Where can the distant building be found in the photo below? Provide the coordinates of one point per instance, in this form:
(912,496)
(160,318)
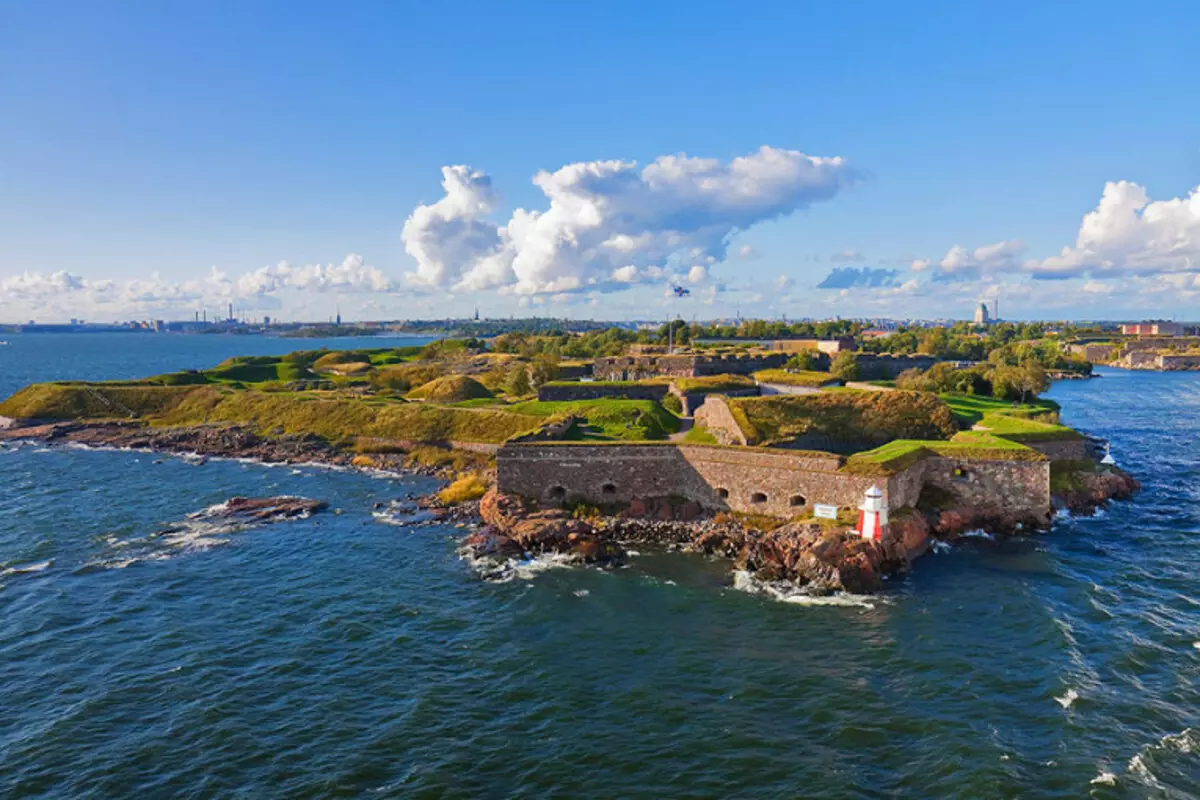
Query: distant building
(982,317)
(1156,329)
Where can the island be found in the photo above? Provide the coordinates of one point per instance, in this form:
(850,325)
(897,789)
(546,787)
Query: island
(771,454)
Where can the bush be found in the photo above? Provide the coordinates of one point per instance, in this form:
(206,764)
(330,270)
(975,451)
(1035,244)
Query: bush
(464,489)
(673,404)
(845,366)
(518,381)
(804,361)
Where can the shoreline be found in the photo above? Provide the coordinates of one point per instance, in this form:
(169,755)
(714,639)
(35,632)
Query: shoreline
(815,558)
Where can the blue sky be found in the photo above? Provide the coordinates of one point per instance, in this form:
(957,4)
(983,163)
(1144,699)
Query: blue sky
(142,144)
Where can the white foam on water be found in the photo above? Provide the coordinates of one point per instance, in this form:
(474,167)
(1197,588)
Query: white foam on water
(1067,699)
(939,547)
(581,592)
(495,570)
(1196,645)
(1104,779)
(978,533)
(31,568)
(788,592)
(1184,742)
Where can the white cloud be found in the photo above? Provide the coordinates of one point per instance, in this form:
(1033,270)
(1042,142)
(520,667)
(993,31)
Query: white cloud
(604,216)
(697,274)
(1127,233)
(65,294)
(959,263)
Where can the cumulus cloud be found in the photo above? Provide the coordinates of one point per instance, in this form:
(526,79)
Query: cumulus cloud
(351,275)
(961,264)
(62,291)
(605,217)
(859,277)
(1128,233)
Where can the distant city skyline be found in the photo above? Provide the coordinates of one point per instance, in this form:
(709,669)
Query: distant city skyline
(859,160)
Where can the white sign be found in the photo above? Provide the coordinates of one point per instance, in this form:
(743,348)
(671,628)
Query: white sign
(824,511)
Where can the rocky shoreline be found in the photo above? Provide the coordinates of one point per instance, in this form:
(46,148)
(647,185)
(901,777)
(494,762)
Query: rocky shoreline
(821,557)
(216,441)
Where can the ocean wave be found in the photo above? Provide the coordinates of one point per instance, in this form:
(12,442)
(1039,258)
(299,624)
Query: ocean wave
(1154,762)
(31,568)
(1067,699)
(788,592)
(506,570)
(1105,778)
(938,546)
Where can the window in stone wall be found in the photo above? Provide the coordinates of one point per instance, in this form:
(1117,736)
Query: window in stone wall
(723,494)
(797,500)
(558,494)
(758,497)
(608,489)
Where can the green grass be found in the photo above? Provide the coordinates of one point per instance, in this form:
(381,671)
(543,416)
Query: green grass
(630,420)
(714,383)
(451,389)
(845,418)
(899,455)
(698,434)
(970,408)
(809,378)
(1019,429)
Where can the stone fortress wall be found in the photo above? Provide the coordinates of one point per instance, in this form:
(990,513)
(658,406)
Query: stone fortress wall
(753,480)
(639,367)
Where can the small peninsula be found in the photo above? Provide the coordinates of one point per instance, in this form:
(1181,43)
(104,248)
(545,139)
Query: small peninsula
(768,453)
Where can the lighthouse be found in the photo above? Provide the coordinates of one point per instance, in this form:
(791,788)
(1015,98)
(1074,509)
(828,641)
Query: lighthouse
(872,515)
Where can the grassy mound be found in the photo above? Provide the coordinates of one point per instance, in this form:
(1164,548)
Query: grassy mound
(59,401)
(809,378)
(899,455)
(340,419)
(845,419)
(451,389)
(1019,429)
(970,408)
(714,383)
(607,419)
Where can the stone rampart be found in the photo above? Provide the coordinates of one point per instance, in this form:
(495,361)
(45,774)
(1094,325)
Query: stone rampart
(883,366)
(754,480)
(718,478)
(639,367)
(595,390)
(714,414)
(1062,449)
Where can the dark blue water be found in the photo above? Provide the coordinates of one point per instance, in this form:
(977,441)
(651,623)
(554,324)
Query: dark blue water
(342,657)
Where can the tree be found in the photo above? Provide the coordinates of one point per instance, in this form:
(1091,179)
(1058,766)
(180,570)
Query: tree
(803,360)
(1033,380)
(518,381)
(545,369)
(845,366)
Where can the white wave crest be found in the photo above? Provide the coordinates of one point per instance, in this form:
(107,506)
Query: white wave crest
(497,570)
(1067,699)
(788,592)
(1104,779)
(939,547)
(27,569)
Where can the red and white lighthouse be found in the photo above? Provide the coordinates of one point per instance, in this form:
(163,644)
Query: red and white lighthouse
(872,515)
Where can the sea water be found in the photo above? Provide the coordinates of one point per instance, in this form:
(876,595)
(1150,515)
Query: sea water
(340,656)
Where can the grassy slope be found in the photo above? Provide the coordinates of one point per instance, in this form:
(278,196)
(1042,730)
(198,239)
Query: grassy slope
(850,416)
(608,418)
(808,378)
